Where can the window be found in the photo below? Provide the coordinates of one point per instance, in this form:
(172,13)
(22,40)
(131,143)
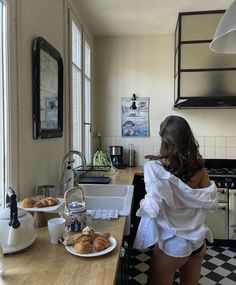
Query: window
(76,87)
(3,134)
(81,91)
(87,102)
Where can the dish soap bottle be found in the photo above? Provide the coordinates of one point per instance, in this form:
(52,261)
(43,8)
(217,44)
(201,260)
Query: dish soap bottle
(1,260)
(69,177)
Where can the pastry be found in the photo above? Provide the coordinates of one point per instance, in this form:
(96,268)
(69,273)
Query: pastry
(100,243)
(72,239)
(89,238)
(46,202)
(83,247)
(28,203)
(41,203)
(52,201)
(88,230)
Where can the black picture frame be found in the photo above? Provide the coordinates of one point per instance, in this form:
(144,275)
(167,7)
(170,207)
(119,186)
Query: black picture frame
(47,91)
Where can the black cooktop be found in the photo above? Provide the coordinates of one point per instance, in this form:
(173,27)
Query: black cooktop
(222,171)
(221,167)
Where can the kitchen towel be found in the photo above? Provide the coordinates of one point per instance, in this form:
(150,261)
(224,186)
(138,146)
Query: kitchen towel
(103,214)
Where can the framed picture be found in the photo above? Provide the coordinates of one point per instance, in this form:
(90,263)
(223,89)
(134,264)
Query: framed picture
(135,122)
(47,91)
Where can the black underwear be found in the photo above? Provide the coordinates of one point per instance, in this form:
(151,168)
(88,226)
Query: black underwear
(197,250)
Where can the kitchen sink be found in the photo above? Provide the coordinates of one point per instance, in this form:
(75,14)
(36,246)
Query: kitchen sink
(111,196)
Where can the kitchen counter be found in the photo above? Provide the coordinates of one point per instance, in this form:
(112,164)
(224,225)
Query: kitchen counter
(125,176)
(46,263)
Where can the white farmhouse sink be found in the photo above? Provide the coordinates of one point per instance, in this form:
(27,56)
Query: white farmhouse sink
(109,196)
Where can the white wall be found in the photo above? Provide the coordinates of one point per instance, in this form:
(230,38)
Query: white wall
(39,161)
(144,65)
(36,162)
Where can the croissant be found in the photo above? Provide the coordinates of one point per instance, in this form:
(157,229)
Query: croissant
(73,239)
(52,201)
(46,202)
(100,243)
(28,203)
(83,247)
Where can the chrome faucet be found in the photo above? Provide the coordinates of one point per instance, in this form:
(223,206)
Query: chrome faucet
(63,183)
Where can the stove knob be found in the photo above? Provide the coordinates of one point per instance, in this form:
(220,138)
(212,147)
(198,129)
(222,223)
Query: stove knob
(232,186)
(226,185)
(219,185)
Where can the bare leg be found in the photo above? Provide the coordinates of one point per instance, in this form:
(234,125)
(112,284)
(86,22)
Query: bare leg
(163,267)
(190,271)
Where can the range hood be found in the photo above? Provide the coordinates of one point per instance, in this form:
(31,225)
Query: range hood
(203,79)
(206,103)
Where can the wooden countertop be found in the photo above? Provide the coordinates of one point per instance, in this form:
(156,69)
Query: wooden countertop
(125,176)
(46,263)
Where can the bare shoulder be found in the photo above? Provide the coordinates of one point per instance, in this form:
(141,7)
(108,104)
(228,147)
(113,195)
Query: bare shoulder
(200,179)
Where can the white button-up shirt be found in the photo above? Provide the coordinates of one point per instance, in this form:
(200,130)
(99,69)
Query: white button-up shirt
(172,213)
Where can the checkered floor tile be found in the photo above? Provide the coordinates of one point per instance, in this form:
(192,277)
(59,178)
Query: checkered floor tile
(218,267)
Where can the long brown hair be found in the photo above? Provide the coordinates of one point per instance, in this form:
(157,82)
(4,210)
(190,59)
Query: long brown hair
(179,149)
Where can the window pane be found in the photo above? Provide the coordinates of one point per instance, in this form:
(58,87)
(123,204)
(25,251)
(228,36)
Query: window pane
(76,108)
(87,117)
(87,59)
(76,45)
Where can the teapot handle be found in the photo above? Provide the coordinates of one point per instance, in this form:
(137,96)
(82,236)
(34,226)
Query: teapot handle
(71,190)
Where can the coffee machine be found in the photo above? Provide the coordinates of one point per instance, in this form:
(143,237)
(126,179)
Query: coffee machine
(116,153)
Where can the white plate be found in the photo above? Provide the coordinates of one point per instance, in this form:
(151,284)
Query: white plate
(51,209)
(112,240)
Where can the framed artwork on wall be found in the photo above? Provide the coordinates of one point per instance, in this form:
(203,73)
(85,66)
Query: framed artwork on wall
(47,91)
(135,117)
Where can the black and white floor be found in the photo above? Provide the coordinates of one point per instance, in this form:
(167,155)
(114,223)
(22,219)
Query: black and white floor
(218,267)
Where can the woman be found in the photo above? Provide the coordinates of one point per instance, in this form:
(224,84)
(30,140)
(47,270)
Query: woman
(172,213)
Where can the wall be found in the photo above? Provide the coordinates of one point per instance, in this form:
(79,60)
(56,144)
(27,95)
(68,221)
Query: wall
(35,162)
(144,65)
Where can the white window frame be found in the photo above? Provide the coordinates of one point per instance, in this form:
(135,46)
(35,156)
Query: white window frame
(4,136)
(87,119)
(84,124)
(73,20)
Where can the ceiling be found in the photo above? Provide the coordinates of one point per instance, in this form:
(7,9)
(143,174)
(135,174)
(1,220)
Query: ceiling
(109,18)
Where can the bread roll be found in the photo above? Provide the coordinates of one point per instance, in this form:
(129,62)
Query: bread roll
(83,247)
(100,243)
(28,203)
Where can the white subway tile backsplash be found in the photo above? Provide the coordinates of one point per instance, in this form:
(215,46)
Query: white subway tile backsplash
(156,149)
(200,141)
(231,141)
(220,141)
(202,151)
(231,152)
(148,149)
(209,146)
(220,152)
(209,141)
(210,152)
(148,141)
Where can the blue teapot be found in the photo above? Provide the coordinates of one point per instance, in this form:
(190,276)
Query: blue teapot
(75,210)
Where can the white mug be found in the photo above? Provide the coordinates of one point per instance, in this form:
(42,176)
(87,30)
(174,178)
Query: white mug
(56,228)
